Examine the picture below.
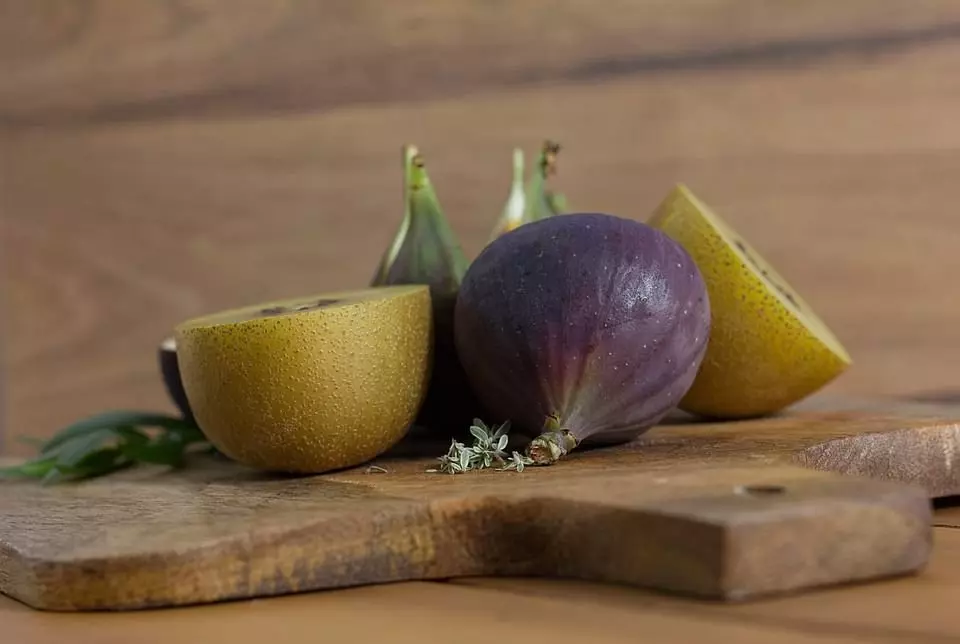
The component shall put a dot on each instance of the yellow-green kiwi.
(310, 384)
(767, 348)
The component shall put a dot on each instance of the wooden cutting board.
(729, 511)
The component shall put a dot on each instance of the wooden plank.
(726, 510)
(917, 609)
(117, 60)
(913, 610)
(397, 613)
(947, 514)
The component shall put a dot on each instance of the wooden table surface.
(161, 159)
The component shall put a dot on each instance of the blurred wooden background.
(161, 159)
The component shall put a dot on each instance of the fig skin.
(587, 327)
(170, 370)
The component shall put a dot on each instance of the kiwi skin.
(170, 370)
(281, 388)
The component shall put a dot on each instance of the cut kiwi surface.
(768, 349)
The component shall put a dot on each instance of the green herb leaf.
(114, 419)
(94, 464)
(35, 468)
(109, 442)
(479, 434)
(488, 448)
(168, 449)
(71, 452)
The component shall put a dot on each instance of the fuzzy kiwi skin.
(170, 370)
(314, 391)
(599, 321)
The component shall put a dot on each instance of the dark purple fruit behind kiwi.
(170, 369)
(581, 328)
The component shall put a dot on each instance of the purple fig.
(586, 328)
(170, 370)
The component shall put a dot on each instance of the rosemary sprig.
(108, 442)
(487, 449)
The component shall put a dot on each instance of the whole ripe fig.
(170, 370)
(585, 328)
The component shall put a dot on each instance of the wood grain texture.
(146, 60)
(911, 610)
(149, 176)
(730, 511)
(914, 609)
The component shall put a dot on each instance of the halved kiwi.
(310, 384)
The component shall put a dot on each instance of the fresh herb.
(517, 462)
(487, 450)
(108, 442)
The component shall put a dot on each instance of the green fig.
(531, 201)
(425, 251)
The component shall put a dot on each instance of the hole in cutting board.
(760, 490)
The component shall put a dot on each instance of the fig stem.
(512, 215)
(548, 158)
(517, 168)
(553, 444)
(539, 202)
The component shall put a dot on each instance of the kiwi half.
(768, 349)
(310, 384)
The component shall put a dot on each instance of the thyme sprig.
(488, 449)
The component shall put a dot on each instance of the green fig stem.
(517, 168)
(553, 444)
(557, 203)
(531, 200)
(540, 202)
(548, 158)
(512, 215)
